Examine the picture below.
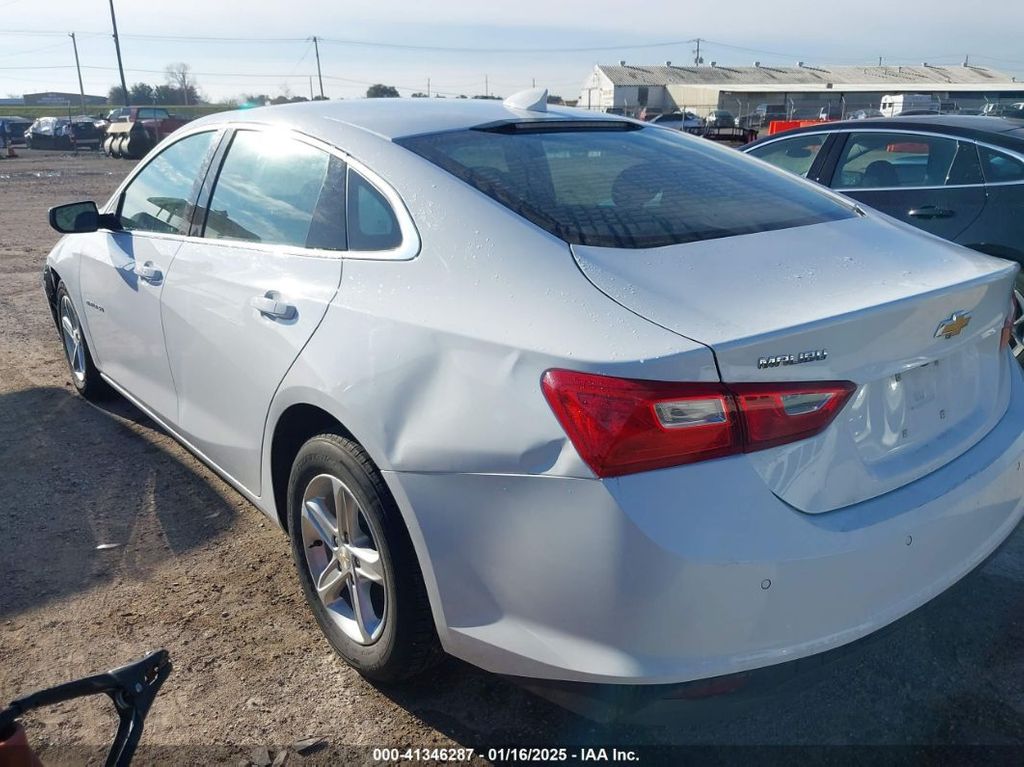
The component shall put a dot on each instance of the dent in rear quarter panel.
(434, 364)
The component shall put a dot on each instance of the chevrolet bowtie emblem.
(954, 325)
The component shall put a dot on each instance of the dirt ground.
(196, 569)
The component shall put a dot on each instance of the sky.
(473, 47)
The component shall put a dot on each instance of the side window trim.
(409, 247)
(210, 174)
(351, 190)
(829, 158)
(411, 243)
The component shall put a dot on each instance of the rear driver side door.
(243, 300)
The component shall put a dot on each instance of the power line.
(34, 50)
(372, 43)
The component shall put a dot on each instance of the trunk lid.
(860, 300)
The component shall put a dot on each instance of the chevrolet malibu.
(565, 395)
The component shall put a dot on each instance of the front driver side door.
(931, 182)
(122, 273)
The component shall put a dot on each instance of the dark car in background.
(16, 127)
(720, 118)
(1004, 110)
(678, 121)
(960, 177)
(763, 115)
(78, 132)
(865, 114)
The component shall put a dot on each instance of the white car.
(565, 395)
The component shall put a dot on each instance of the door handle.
(146, 271)
(271, 305)
(930, 211)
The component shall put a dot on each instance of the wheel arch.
(306, 416)
(51, 279)
(293, 427)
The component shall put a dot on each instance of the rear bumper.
(694, 572)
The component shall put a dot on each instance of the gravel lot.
(199, 571)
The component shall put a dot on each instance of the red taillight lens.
(777, 413)
(622, 426)
(1012, 315)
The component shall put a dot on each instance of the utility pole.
(487, 88)
(311, 87)
(533, 82)
(879, 61)
(428, 87)
(319, 74)
(117, 47)
(696, 57)
(81, 88)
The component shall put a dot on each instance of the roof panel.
(392, 118)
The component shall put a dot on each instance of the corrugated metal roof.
(806, 75)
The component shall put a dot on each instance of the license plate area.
(921, 398)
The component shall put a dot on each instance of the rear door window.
(268, 191)
(880, 160)
(615, 184)
(795, 154)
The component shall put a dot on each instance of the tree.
(166, 94)
(254, 99)
(282, 99)
(115, 95)
(419, 95)
(555, 100)
(141, 93)
(379, 91)
(180, 77)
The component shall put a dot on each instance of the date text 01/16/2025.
(507, 754)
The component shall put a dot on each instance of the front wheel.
(356, 563)
(84, 374)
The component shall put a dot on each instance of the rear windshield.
(623, 186)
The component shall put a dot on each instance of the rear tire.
(349, 539)
(84, 374)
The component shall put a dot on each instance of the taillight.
(622, 426)
(776, 413)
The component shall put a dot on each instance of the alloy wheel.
(71, 332)
(343, 559)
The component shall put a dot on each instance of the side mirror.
(80, 217)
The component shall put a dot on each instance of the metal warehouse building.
(800, 90)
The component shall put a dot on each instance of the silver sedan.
(565, 395)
